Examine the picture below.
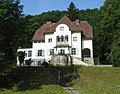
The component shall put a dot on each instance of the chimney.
(77, 22)
(48, 22)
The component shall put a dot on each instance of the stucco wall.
(88, 44)
(52, 45)
(77, 44)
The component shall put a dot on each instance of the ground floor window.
(62, 51)
(29, 53)
(73, 51)
(86, 52)
(51, 51)
(40, 52)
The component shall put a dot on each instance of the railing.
(62, 43)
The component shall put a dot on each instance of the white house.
(64, 37)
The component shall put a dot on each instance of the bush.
(21, 56)
(28, 62)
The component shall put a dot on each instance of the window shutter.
(48, 52)
(77, 51)
(43, 53)
(36, 53)
(70, 51)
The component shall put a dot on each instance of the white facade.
(61, 41)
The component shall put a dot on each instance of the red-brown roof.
(83, 26)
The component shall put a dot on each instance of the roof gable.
(83, 26)
(65, 20)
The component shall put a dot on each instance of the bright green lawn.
(98, 80)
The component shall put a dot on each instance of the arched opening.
(62, 38)
(86, 53)
(66, 38)
(58, 39)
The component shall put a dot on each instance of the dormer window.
(62, 28)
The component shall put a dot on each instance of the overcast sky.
(33, 7)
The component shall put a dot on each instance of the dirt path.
(70, 90)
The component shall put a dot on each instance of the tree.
(109, 30)
(21, 57)
(10, 17)
(73, 12)
(28, 62)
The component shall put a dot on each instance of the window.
(25, 54)
(62, 51)
(40, 53)
(66, 38)
(61, 28)
(50, 40)
(62, 38)
(86, 52)
(74, 38)
(39, 63)
(73, 51)
(29, 53)
(58, 39)
(51, 51)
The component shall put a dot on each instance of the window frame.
(73, 51)
(74, 38)
(51, 51)
(30, 53)
(49, 39)
(58, 39)
(62, 28)
(39, 52)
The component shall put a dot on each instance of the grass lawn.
(98, 80)
(33, 80)
(37, 80)
(48, 89)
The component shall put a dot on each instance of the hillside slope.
(98, 80)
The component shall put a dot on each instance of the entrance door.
(62, 51)
(86, 53)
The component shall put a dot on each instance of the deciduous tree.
(10, 15)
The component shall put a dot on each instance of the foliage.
(114, 55)
(24, 79)
(90, 80)
(109, 31)
(21, 56)
(49, 89)
(28, 62)
(73, 13)
(10, 15)
(1, 59)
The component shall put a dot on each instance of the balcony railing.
(61, 43)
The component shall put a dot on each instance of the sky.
(34, 7)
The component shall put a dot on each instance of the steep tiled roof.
(83, 26)
(39, 34)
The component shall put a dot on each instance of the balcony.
(62, 44)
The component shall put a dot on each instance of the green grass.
(34, 80)
(49, 89)
(37, 80)
(98, 80)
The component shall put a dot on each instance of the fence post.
(59, 77)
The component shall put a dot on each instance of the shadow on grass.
(29, 78)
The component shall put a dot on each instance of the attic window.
(74, 38)
(62, 28)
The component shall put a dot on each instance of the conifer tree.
(73, 13)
